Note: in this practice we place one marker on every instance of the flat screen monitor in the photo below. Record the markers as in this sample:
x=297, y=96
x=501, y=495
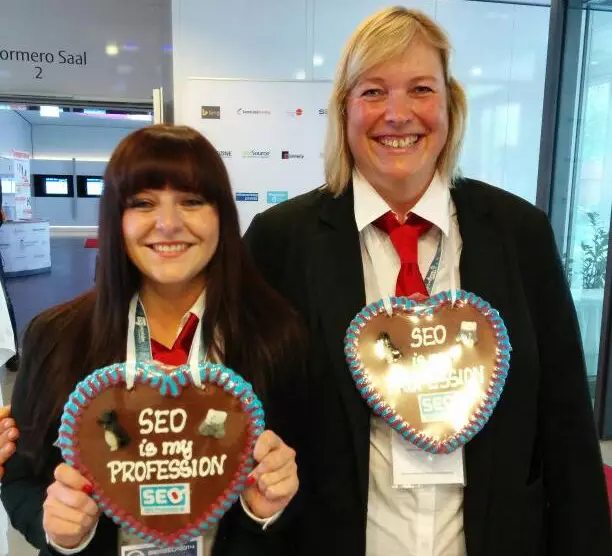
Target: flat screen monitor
x=90, y=186
x=47, y=185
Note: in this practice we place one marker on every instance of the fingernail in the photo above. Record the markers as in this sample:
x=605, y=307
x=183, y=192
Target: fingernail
x=250, y=481
x=87, y=488
x=7, y=425
x=12, y=435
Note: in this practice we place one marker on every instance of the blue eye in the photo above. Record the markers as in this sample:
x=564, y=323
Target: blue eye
x=423, y=89
x=372, y=92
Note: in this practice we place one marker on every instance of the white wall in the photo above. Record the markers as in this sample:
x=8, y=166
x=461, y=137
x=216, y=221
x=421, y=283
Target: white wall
x=15, y=133
x=80, y=142
x=499, y=56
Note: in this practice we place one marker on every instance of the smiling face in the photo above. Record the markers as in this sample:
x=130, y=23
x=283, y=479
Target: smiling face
x=170, y=235
x=397, y=122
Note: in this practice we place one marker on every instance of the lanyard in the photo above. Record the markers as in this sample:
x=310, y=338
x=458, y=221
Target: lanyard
x=139, y=344
x=450, y=246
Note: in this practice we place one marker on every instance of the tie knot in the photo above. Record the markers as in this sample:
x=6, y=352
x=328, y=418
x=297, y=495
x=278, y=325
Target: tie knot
x=404, y=236
x=417, y=225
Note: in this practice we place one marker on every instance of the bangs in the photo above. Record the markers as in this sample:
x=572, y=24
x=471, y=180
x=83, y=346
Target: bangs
x=163, y=162
x=386, y=38
x=382, y=46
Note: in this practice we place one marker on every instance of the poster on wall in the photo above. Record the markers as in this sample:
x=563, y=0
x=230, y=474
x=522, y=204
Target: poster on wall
x=270, y=135
x=23, y=190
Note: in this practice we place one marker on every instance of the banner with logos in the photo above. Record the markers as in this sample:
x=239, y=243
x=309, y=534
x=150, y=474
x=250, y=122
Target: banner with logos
x=269, y=133
x=23, y=190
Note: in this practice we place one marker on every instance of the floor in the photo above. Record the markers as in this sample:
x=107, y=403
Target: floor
x=72, y=274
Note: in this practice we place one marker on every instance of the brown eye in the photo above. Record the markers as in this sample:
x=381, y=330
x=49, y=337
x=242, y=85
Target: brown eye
x=136, y=203
x=194, y=202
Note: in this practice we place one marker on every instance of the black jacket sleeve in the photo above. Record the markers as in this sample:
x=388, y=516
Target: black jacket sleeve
x=578, y=514
x=23, y=491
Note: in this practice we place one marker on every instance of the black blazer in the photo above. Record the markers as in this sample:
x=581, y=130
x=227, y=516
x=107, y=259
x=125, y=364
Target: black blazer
x=535, y=483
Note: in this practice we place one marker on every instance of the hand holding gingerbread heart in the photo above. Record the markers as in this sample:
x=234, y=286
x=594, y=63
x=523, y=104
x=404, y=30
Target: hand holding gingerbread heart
x=69, y=513
x=274, y=480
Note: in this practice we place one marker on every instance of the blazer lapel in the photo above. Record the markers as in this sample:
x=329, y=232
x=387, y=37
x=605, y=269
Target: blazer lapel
x=482, y=270
x=340, y=295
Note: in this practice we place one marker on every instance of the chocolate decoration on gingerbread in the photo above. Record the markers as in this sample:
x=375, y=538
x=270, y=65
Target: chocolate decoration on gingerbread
x=434, y=370
x=114, y=435
x=178, y=456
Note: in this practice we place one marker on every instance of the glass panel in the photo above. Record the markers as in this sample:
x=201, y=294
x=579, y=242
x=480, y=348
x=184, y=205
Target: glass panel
x=589, y=218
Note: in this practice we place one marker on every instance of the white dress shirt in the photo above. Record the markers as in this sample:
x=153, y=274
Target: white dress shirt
x=427, y=520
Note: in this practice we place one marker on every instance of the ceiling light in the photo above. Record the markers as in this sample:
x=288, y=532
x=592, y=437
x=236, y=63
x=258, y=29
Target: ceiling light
x=140, y=117
x=50, y=111
x=112, y=49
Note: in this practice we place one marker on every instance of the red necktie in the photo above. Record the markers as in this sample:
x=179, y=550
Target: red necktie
x=405, y=239
x=178, y=354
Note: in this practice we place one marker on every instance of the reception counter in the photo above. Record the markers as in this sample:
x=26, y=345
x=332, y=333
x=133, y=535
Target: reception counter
x=25, y=247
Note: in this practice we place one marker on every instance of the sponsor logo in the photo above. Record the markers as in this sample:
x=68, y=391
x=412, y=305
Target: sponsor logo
x=165, y=499
x=295, y=113
x=247, y=197
x=210, y=112
x=225, y=154
x=274, y=197
x=253, y=112
x=434, y=407
x=322, y=111
x=255, y=154
x=286, y=155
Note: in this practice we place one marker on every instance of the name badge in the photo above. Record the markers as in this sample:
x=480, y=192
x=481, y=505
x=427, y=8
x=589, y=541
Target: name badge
x=193, y=548
x=413, y=467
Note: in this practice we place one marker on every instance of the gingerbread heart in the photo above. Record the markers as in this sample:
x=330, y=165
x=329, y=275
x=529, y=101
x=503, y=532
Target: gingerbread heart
x=166, y=459
x=434, y=370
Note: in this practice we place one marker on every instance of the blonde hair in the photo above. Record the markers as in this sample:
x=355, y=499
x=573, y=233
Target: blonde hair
x=383, y=36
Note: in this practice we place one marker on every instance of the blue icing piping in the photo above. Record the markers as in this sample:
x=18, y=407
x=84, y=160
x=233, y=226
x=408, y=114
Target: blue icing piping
x=69, y=417
x=80, y=398
x=66, y=429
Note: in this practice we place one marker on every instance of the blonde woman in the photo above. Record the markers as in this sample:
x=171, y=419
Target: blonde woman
x=533, y=476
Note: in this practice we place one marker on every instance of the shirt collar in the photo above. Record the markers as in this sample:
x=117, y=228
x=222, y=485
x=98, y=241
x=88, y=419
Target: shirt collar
x=197, y=309
x=434, y=205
